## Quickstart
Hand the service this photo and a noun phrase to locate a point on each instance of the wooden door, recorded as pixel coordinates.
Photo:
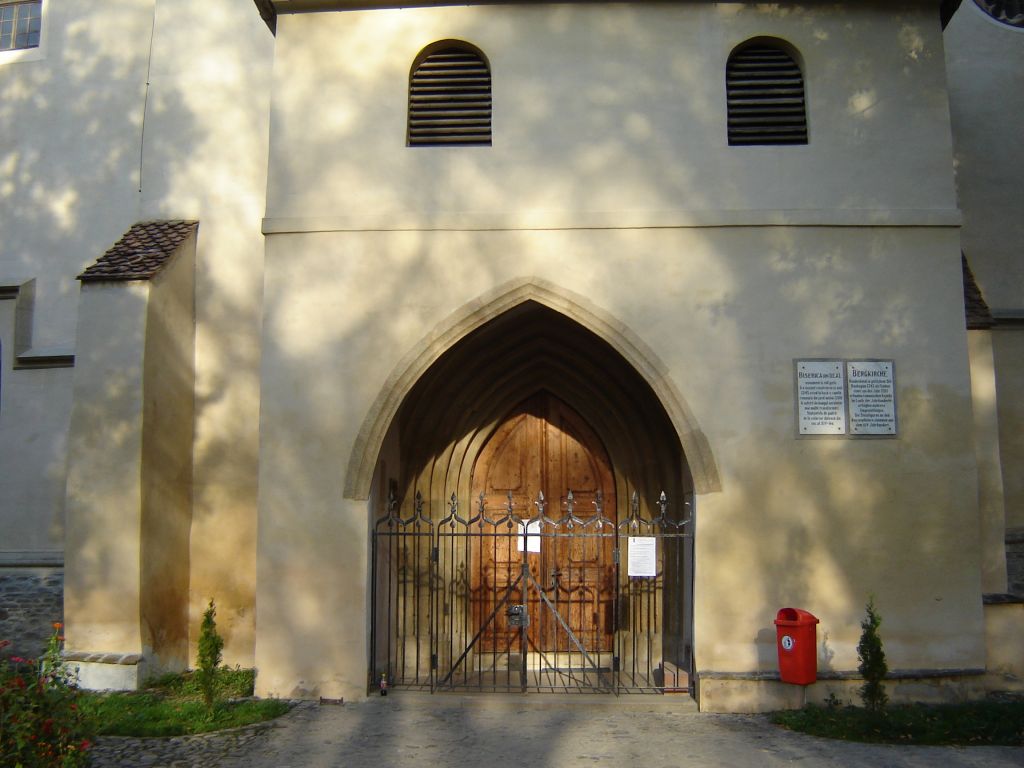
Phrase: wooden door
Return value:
(544, 445)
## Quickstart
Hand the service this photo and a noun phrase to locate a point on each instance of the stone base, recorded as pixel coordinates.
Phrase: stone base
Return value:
(107, 671)
(722, 693)
(1004, 647)
(1015, 560)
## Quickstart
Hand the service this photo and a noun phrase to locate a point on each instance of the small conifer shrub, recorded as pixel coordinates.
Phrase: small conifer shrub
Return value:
(210, 647)
(873, 667)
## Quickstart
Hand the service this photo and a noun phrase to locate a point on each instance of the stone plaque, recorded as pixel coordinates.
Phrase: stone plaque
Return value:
(871, 387)
(821, 405)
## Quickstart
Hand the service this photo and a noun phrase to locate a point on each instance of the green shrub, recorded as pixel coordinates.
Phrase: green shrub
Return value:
(229, 683)
(872, 661)
(210, 647)
(40, 721)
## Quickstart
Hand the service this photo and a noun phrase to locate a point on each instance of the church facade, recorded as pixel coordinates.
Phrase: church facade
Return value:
(518, 347)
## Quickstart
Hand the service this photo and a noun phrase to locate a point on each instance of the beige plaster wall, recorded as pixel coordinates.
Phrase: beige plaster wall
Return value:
(984, 60)
(102, 585)
(206, 158)
(609, 188)
(1008, 351)
(35, 405)
(129, 468)
(70, 122)
(605, 108)
(991, 509)
(134, 110)
(167, 424)
(70, 116)
(815, 523)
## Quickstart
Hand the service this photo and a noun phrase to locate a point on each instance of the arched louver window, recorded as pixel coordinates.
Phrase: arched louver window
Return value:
(450, 98)
(765, 91)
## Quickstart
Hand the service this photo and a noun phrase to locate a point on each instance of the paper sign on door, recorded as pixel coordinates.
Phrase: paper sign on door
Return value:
(642, 557)
(529, 537)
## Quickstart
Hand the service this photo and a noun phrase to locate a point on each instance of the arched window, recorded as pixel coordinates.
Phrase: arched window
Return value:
(765, 91)
(450, 96)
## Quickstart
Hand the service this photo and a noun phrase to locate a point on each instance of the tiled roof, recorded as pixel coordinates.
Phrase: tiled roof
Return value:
(141, 252)
(978, 315)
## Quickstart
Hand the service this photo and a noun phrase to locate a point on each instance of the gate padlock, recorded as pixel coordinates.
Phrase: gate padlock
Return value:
(517, 616)
(384, 685)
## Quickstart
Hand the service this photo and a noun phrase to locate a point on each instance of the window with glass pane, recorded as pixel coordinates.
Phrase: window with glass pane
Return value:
(20, 24)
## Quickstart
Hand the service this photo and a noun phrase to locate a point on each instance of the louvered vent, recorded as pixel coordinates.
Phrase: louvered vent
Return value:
(765, 91)
(450, 99)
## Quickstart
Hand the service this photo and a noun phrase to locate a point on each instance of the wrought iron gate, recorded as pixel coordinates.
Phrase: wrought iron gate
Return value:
(497, 601)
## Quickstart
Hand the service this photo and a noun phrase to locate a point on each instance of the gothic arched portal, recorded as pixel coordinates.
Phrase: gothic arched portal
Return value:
(470, 449)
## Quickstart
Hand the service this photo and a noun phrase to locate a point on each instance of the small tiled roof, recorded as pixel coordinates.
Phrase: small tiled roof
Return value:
(141, 252)
(975, 307)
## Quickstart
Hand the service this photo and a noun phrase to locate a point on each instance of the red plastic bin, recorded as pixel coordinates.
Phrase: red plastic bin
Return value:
(796, 640)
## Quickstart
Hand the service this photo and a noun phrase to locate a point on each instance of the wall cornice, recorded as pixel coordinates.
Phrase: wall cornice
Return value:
(554, 220)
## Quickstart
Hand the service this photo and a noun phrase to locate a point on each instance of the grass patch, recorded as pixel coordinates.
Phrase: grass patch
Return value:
(173, 706)
(969, 724)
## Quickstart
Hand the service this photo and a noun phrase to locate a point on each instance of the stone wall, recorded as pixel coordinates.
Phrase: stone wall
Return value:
(1015, 560)
(31, 600)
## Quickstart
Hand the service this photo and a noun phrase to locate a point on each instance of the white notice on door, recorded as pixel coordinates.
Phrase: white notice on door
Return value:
(642, 557)
(529, 537)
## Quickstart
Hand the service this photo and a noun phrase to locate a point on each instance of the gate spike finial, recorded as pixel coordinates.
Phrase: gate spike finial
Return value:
(663, 505)
(539, 503)
(599, 507)
(481, 504)
(570, 502)
(392, 508)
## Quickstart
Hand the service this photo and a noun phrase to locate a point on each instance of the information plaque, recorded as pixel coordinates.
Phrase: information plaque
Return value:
(821, 404)
(872, 396)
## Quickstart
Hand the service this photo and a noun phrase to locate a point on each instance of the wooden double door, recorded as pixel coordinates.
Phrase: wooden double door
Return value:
(567, 588)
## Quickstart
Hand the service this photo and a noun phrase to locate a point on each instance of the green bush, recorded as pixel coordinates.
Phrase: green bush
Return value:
(40, 721)
(210, 647)
(873, 666)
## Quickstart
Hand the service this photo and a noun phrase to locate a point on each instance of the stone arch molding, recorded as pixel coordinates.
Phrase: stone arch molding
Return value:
(472, 315)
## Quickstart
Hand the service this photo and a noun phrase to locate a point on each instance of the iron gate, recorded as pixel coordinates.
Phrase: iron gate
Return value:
(498, 601)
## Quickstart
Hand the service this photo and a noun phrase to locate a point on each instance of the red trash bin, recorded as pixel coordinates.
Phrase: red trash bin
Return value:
(796, 641)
